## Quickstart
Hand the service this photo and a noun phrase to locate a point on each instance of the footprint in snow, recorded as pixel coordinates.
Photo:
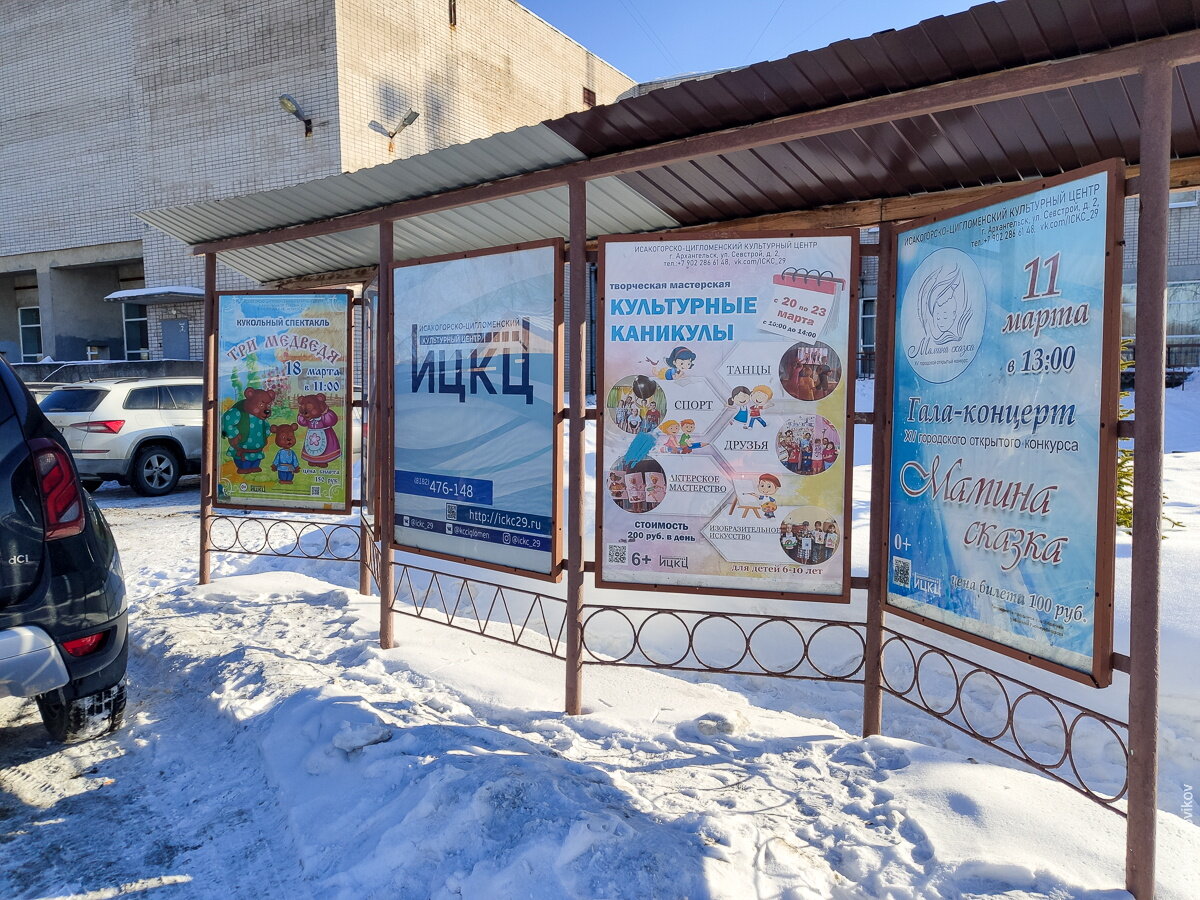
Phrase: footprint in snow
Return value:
(711, 725)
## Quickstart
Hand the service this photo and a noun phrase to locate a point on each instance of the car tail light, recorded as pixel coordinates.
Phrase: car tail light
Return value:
(107, 426)
(85, 645)
(62, 503)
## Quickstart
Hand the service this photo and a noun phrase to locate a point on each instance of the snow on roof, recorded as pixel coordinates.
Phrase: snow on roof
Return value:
(163, 294)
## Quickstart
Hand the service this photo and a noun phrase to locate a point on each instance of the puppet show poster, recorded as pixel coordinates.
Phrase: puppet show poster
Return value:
(997, 412)
(477, 394)
(283, 395)
(724, 409)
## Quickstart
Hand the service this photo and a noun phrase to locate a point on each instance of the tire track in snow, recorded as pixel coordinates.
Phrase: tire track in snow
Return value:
(130, 811)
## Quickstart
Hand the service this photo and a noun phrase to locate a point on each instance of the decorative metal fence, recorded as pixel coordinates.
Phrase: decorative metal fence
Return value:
(987, 705)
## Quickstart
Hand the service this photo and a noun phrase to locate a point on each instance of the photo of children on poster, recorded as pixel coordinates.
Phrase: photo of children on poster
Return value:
(997, 410)
(724, 413)
(283, 392)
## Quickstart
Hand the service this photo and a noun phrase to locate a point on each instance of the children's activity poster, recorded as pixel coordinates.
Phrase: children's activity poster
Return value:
(1004, 415)
(478, 393)
(284, 397)
(725, 394)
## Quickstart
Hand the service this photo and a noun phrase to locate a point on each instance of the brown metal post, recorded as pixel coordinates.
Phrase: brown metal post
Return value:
(877, 555)
(364, 551)
(209, 464)
(383, 430)
(577, 363)
(1158, 82)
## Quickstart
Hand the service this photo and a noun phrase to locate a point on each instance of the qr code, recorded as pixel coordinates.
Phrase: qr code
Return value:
(902, 571)
(452, 512)
(315, 490)
(617, 554)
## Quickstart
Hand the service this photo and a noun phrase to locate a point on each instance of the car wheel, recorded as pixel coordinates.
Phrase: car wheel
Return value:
(87, 717)
(155, 471)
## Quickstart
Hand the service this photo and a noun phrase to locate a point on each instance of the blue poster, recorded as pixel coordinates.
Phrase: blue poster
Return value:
(996, 420)
(476, 400)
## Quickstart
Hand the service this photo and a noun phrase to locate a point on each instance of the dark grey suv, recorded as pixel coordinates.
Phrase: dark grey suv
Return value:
(63, 613)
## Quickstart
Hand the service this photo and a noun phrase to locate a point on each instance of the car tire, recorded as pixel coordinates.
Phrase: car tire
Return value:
(155, 471)
(87, 717)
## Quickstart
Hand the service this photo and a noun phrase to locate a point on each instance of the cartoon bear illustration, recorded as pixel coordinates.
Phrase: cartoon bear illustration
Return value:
(321, 446)
(285, 462)
(245, 427)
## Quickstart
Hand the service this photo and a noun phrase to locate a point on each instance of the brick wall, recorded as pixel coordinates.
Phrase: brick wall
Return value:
(117, 106)
(193, 312)
(68, 158)
(500, 67)
(1183, 249)
(121, 106)
(210, 73)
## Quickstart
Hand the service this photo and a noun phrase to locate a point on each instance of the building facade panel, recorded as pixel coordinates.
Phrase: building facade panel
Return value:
(68, 161)
(496, 67)
(121, 106)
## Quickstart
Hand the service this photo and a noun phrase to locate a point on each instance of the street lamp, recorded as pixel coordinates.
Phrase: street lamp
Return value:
(409, 118)
(289, 105)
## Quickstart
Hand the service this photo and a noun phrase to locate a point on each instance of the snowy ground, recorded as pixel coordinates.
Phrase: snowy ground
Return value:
(272, 749)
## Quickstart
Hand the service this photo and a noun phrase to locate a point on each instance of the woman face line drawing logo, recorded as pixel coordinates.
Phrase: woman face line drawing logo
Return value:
(942, 314)
(942, 305)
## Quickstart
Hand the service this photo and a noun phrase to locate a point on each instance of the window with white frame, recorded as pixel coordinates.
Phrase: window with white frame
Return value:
(866, 326)
(30, 320)
(137, 331)
(866, 334)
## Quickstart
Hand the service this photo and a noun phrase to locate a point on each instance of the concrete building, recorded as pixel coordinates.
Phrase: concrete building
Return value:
(114, 107)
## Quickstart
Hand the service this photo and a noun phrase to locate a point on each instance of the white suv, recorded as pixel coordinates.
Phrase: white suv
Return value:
(143, 432)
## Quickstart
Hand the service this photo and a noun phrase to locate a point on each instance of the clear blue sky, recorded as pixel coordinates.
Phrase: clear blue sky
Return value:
(650, 39)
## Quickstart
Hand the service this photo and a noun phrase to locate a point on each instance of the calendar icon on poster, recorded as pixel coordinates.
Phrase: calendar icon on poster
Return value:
(804, 303)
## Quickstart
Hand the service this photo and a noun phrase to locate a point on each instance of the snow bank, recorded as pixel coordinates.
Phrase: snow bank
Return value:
(442, 769)
(301, 760)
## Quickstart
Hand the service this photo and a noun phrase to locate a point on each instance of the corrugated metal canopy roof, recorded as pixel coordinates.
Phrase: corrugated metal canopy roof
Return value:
(1033, 136)
(987, 143)
(612, 206)
(987, 38)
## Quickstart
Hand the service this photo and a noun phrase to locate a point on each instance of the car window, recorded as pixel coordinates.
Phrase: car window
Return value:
(142, 398)
(66, 400)
(186, 396)
(6, 404)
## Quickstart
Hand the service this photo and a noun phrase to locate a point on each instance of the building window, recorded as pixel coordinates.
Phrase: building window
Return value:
(137, 331)
(1183, 311)
(589, 97)
(453, 13)
(30, 320)
(1180, 199)
(1183, 322)
(866, 338)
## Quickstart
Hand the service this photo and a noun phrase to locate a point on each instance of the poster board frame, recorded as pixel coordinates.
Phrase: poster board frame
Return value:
(849, 365)
(368, 308)
(346, 422)
(1100, 675)
(558, 566)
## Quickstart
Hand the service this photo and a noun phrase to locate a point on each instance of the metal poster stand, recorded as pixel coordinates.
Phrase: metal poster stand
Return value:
(536, 617)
